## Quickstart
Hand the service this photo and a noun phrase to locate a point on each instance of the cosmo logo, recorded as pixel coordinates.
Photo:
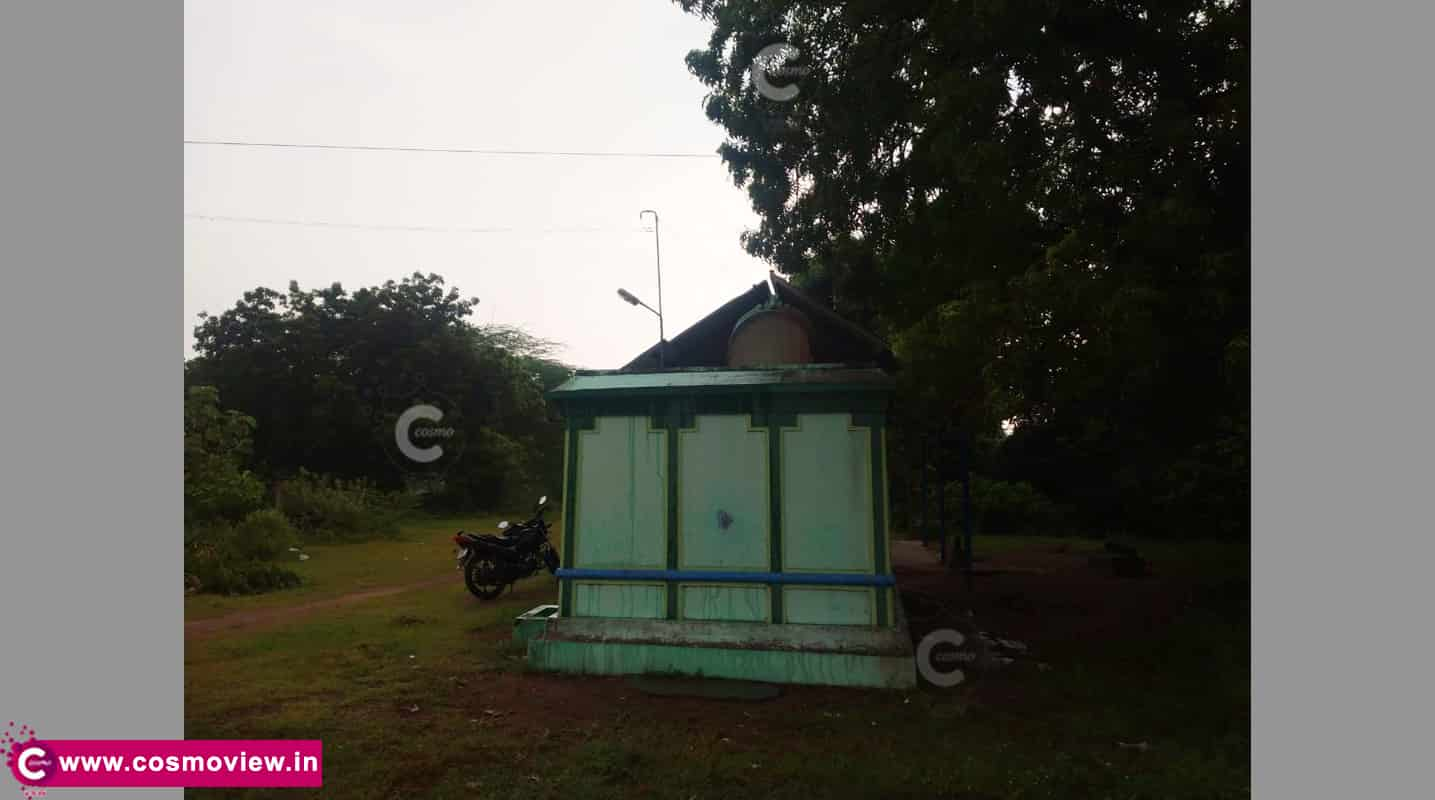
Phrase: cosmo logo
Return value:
(771, 61)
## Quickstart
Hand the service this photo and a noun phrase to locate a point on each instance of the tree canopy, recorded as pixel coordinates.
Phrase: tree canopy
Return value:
(1044, 205)
(325, 374)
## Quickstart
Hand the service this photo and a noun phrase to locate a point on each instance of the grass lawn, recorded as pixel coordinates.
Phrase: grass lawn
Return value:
(421, 694)
(419, 551)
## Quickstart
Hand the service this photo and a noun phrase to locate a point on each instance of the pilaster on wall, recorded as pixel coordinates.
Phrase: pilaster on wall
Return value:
(796, 463)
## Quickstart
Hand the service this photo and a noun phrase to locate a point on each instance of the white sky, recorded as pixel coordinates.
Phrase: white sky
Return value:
(567, 76)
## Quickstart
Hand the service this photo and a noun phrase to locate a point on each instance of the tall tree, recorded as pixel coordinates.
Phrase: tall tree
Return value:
(1044, 203)
(325, 374)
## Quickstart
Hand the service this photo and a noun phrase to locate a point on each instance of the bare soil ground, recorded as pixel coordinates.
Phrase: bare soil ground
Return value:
(1050, 600)
(1050, 596)
(259, 618)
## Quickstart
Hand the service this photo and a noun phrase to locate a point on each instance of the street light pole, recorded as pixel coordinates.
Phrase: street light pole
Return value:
(658, 252)
(631, 299)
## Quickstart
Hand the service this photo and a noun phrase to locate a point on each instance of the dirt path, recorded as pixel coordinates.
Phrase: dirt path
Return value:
(200, 628)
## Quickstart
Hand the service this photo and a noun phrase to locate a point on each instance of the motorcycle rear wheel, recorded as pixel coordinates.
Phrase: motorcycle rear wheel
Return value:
(481, 576)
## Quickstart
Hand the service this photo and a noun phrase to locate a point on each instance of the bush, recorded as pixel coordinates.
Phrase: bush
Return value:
(251, 578)
(327, 509)
(238, 558)
(254, 577)
(1008, 507)
(264, 536)
(217, 442)
(496, 472)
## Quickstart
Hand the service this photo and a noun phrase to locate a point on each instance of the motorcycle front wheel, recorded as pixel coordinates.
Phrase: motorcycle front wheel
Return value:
(481, 576)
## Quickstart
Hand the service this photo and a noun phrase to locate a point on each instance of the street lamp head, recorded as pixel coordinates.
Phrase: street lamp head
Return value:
(623, 293)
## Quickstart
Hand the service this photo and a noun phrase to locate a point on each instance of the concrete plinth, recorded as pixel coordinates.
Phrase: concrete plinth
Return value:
(830, 655)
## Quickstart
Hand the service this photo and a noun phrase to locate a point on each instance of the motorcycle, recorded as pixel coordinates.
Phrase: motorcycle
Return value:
(494, 562)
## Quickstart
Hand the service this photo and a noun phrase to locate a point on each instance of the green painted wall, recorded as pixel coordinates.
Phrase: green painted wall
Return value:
(843, 605)
(621, 600)
(827, 509)
(622, 495)
(727, 602)
(722, 472)
(667, 488)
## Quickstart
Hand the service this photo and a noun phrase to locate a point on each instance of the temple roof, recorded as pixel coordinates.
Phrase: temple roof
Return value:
(806, 377)
(704, 344)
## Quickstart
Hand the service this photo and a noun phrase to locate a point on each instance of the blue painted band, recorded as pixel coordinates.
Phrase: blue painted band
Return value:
(689, 576)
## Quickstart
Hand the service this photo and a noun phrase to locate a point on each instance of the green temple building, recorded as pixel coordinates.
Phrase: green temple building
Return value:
(726, 514)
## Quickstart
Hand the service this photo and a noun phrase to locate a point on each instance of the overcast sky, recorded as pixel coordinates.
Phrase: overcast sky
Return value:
(566, 76)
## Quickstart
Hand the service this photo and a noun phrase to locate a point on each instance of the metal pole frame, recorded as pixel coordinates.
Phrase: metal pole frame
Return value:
(658, 253)
(966, 451)
(925, 504)
(942, 504)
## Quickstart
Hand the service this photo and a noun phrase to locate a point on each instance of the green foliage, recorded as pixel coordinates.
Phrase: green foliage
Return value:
(1043, 205)
(1009, 507)
(263, 536)
(497, 479)
(314, 382)
(326, 372)
(333, 509)
(230, 541)
(239, 557)
(216, 446)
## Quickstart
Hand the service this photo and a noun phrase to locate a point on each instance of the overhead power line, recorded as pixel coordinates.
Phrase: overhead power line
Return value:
(467, 150)
(420, 228)
(317, 223)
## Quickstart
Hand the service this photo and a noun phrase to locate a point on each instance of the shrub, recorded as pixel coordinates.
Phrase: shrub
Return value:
(328, 509)
(254, 577)
(496, 472)
(217, 442)
(225, 557)
(264, 536)
(1008, 507)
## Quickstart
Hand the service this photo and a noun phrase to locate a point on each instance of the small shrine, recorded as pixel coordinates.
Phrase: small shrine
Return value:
(726, 515)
